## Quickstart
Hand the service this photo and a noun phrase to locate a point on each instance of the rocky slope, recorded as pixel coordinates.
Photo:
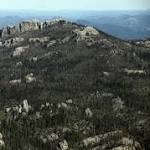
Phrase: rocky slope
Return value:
(65, 86)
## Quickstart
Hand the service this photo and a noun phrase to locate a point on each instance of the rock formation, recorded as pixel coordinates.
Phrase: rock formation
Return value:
(133, 72)
(19, 50)
(87, 32)
(40, 40)
(12, 42)
(87, 35)
(115, 140)
(28, 26)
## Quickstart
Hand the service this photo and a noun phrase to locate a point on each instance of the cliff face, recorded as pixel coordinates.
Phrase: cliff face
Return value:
(27, 26)
(64, 86)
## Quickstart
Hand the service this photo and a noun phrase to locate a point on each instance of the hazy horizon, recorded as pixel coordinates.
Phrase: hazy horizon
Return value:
(95, 5)
(123, 22)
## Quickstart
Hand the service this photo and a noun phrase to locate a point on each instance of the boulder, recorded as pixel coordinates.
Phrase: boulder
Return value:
(17, 40)
(19, 64)
(91, 31)
(42, 106)
(49, 23)
(147, 44)
(112, 140)
(52, 137)
(19, 50)
(9, 30)
(39, 40)
(38, 115)
(43, 139)
(65, 40)
(20, 109)
(26, 106)
(15, 108)
(30, 78)
(106, 74)
(5, 32)
(124, 148)
(35, 59)
(100, 139)
(88, 113)
(8, 110)
(16, 81)
(14, 29)
(107, 95)
(29, 26)
(64, 145)
(118, 104)
(82, 127)
(63, 106)
(134, 72)
(69, 101)
(105, 43)
(129, 142)
(47, 104)
(142, 125)
(48, 138)
(8, 43)
(86, 34)
(51, 43)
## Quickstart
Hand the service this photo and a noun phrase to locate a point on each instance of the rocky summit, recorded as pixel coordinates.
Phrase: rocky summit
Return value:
(64, 86)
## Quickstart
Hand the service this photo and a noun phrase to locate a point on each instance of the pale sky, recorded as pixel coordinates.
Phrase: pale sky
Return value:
(75, 4)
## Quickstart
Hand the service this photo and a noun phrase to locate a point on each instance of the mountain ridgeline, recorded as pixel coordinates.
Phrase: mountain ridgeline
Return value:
(64, 86)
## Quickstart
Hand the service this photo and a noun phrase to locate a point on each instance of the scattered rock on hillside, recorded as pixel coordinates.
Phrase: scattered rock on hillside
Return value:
(30, 78)
(39, 40)
(13, 42)
(47, 137)
(69, 101)
(16, 81)
(19, 64)
(135, 72)
(86, 34)
(88, 113)
(63, 145)
(26, 106)
(65, 40)
(19, 50)
(118, 104)
(2, 143)
(111, 140)
(51, 43)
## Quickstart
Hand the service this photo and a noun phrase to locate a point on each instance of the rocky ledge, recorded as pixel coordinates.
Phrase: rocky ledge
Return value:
(28, 26)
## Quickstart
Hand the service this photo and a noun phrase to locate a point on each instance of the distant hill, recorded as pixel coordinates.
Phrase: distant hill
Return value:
(125, 26)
